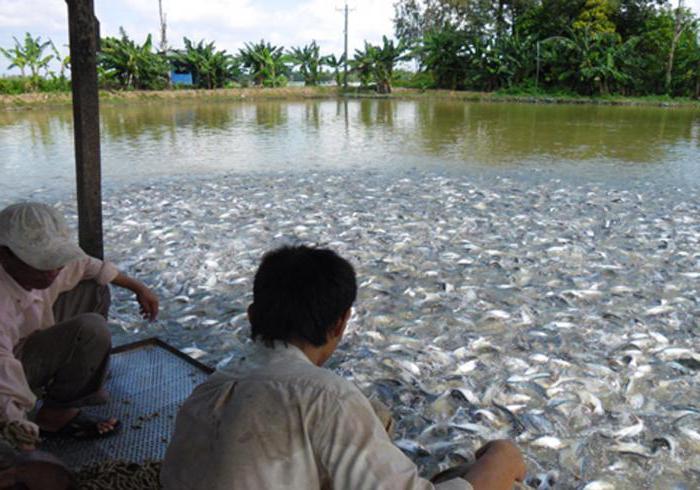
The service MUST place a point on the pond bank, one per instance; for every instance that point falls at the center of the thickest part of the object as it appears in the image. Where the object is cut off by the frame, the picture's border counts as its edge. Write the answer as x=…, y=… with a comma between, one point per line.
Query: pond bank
x=35, y=100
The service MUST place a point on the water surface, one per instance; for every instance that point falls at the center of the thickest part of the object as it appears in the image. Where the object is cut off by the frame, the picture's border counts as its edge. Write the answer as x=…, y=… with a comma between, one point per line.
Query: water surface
x=153, y=140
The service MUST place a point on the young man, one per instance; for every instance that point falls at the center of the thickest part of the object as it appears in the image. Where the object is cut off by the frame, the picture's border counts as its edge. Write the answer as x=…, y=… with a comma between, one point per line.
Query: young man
x=275, y=418
x=68, y=360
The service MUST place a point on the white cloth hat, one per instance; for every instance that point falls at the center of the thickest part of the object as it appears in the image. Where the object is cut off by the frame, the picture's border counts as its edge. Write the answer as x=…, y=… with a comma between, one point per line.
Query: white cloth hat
x=38, y=235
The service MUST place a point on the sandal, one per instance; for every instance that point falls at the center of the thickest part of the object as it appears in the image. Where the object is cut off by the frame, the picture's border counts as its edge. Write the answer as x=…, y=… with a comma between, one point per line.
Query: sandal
x=81, y=427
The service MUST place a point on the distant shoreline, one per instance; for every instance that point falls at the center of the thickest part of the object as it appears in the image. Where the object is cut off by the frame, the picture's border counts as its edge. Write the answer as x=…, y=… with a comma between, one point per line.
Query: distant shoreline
x=31, y=101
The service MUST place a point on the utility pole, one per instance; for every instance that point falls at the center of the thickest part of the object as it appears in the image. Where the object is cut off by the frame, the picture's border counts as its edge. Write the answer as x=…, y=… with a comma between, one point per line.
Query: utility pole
x=345, y=74
x=345, y=67
x=680, y=25
x=163, y=28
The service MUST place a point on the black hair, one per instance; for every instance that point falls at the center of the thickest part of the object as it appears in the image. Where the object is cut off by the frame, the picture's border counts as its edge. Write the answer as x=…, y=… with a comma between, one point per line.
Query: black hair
x=300, y=293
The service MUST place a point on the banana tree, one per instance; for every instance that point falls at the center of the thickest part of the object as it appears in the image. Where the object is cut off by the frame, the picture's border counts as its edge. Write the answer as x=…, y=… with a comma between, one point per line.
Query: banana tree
x=131, y=65
x=444, y=53
x=64, y=61
x=210, y=68
x=363, y=64
x=265, y=63
x=335, y=64
x=385, y=58
x=29, y=54
x=593, y=61
x=309, y=61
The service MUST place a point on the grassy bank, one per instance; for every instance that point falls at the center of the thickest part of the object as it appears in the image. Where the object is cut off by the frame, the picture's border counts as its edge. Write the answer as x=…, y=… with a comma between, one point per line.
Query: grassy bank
x=654, y=101
x=37, y=100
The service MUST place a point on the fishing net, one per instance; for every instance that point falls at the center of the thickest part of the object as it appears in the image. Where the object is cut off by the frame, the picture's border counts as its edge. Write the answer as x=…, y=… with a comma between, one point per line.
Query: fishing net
x=119, y=475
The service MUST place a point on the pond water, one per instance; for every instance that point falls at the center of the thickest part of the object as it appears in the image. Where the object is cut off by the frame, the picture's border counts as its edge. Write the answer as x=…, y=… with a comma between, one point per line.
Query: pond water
x=525, y=271
x=153, y=140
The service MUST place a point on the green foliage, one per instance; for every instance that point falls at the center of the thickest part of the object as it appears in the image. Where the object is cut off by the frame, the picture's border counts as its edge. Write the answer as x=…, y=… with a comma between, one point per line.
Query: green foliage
x=583, y=47
x=376, y=63
x=15, y=85
x=444, y=53
x=266, y=64
x=422, y=80
x=588, y=47
x=335, y=64
x=29, y=54
x=124, y=64
x=309, y=61
x=595, y=17
x=209, y=68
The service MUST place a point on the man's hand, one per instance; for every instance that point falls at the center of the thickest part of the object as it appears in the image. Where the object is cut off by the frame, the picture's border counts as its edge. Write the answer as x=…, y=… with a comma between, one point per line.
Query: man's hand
x=148, y=302
x=499, y=464
x=507, y=452
x=147, y=299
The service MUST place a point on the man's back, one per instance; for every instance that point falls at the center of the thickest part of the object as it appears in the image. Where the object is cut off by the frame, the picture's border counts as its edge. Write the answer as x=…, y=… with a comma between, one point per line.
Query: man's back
x=275, y=420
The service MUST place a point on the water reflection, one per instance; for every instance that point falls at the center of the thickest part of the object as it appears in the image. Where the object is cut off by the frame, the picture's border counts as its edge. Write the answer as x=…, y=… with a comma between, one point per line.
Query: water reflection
x=41, y=127
x=312, y=114
x=197, y=137
x=507, y=133
x=271, y=114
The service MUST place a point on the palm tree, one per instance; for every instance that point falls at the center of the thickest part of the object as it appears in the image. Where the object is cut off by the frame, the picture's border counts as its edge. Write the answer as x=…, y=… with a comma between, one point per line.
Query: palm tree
x=308, y=60
x=266, y=63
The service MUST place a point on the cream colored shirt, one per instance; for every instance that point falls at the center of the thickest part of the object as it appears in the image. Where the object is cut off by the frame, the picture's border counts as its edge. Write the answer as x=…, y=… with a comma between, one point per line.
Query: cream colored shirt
x=274, y=420
x=24, y=312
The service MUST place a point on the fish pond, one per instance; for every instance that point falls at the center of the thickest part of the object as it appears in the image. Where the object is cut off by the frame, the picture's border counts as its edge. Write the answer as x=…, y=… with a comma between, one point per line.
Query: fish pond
x=530, y=272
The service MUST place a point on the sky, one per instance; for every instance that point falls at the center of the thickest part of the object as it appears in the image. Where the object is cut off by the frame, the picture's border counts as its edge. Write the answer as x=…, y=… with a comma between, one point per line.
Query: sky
x=230, y=23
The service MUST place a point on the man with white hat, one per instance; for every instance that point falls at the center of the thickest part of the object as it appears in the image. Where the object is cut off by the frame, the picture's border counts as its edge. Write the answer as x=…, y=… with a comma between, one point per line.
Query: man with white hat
x=66, y=360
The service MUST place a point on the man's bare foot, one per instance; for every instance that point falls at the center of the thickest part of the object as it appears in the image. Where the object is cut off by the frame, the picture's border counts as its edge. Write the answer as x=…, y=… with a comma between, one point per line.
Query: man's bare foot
x=51, y=419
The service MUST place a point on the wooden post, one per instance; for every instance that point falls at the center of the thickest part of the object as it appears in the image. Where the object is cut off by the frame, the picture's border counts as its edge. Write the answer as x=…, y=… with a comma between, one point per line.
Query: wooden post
x=84, y=39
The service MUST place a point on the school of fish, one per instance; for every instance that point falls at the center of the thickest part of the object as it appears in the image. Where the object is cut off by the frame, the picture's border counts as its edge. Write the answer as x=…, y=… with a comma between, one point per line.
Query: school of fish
x=562, y=315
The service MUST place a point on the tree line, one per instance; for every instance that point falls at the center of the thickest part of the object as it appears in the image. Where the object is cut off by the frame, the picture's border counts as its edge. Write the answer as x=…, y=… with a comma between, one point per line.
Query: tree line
x=587, y=47
x=124, y=63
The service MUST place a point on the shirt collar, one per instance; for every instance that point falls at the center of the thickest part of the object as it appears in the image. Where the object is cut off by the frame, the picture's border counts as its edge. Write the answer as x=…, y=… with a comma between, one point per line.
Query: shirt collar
x=16, y=292
x=282, y=349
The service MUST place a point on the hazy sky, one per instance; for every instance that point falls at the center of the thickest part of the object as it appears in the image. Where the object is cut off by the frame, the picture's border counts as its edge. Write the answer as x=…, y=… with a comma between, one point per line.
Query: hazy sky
x=230, y=23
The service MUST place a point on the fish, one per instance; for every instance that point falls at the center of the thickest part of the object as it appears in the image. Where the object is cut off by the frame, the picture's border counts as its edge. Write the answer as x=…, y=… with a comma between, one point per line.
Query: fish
x=545, y=313
x=548, y=442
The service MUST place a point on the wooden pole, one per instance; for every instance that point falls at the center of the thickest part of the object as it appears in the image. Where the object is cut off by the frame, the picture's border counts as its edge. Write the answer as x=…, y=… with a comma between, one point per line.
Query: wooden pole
x=345, y=65
x=84, y=39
